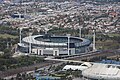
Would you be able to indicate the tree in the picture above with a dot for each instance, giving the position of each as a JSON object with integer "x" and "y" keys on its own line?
{"x": 36, "y": 69}
{"x": 18, "y": 77}
{"x": 7, "y": 53}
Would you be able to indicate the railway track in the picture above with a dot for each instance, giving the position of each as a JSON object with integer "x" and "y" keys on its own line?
{"x": 46, "y": 63}
{"x": 25, "y": 69}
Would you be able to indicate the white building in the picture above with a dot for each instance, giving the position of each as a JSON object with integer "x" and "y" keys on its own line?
{"x": 81, "y": 67}
{"x": 103, "y": 72}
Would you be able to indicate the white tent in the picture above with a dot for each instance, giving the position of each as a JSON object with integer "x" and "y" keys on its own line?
{"x": 78, "y": 67}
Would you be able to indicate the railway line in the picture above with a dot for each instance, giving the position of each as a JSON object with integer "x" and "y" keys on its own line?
{"x": 25, "y": 69}
{"x": 48, "y": 62}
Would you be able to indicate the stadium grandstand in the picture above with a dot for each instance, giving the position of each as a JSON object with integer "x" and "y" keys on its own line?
{"x": 53, "y": 45}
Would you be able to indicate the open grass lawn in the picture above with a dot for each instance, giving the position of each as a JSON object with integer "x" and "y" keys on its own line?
{"x": 116, "y": 35}
{"x": 7, "y": 36}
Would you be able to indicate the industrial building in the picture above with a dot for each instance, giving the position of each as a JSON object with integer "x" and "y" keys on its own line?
{"x": 53, "y": 45}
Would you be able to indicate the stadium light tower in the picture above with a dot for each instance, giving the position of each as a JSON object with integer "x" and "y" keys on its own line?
{"x": 94, "y": 48}
{"x": 80, "y": 33}
{"x": 30, "y": 43}
{"x": 19, "y": 15}
{"x": 20, "y": 35}
{"x": 68, "y": 35}
{"x": 81, "y": 21}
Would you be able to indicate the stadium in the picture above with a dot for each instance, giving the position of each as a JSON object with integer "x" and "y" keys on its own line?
{"x": 99, "y": 71}
{"x": 53, "y": 45}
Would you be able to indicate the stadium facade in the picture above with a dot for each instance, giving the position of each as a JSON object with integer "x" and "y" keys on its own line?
{"x": 53, "y": 45}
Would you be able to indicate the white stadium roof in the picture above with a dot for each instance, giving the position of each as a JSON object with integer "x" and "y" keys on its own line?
{"x": 103, "y": 71}
{"x": 31, "y": 39}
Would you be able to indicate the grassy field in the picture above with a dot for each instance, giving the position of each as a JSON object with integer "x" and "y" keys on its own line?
{"x": 8, "y": 36}
{"x": 116, "y": 35}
